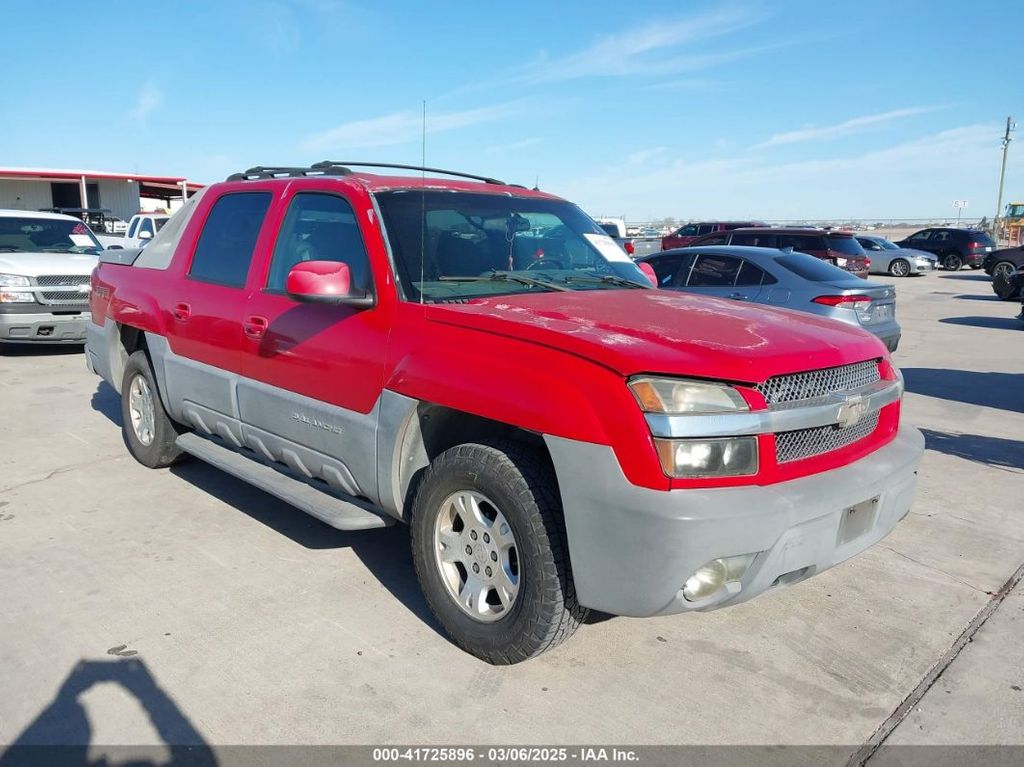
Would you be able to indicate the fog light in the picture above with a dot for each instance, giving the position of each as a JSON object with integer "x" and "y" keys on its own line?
{"x": 710, "y": 578}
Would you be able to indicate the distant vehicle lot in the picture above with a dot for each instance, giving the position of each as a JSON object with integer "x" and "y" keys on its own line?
{"x": 230, "y": 598}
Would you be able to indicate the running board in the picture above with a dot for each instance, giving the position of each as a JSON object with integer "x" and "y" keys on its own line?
{"x": 353, "y": 514}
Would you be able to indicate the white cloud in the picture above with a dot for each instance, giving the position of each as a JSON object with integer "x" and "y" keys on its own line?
{"x": 916, "y": 178}
{"x": 148, "y": 100}
{"x": 643, "y": 155}
{"x": 513, "y": 145}
{"x": 401, "y": 127}
{"x": 855, "y": 125}
{"x": 649, "y": 50}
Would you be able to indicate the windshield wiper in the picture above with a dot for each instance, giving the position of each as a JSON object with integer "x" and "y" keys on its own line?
{"x": 496, "y": 276}
{"x": 608, "y": 279}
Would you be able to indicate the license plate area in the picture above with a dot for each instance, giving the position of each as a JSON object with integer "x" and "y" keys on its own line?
{"x": 857, "y": 520}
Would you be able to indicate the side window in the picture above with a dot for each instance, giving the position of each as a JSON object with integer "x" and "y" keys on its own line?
{"x": 713, "y": 271}
{"x": 687, "y": 231}
{"x": 133, "y": 226}
{"x": 705, "y": 229}
{"x": 753, "y": 275}
{"x": 229, "y": 235}
{"x": 717, "y": 239}
{"x": 801, "y": 242}
{"x": 756, "y": 240}
{"x": 147, "y": 226}
{"x": 319, "y": 227}
{"x": 921, "y": 236}
{"x": 940, "y": 237}
{"x": 665, "y": 269}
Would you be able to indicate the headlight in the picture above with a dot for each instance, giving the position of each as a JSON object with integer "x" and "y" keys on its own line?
{"x": 16, "y": 297}
{"x": 674, "y": 396}
{"x": 703, "y": 458}
{"x": 13, "y": 281}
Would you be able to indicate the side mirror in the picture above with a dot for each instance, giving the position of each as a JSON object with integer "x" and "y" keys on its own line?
{"x": 649, "y": 273}
{"x": 145, "y": 235}
{"x": 325, "y": 282}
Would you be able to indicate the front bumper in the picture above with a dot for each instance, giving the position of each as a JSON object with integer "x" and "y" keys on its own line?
{"x": 633, "y": 548}
{"x": 42, "y": 327}
{"x": 922, "y": 265}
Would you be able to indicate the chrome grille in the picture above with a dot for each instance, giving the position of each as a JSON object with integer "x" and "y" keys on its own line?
{"x": 49, "y": 280}
{"x": 813, "y": 384}
{"x": 65, "y": 296}
{"x": 804, "y": 443}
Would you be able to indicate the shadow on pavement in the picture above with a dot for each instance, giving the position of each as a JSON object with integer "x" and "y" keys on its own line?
{"x": 39, "y": 350}
{"x": 386, "y": 552}
{"x": 108, "y": 402}
{"x": 972, "y": 277}
{"x": 967, "y": 297}
{"x": 998, "y": 390}
{"x": 62, "y": 732}
{"x": 991, "y": 451}
{"x": 994, "y": 323}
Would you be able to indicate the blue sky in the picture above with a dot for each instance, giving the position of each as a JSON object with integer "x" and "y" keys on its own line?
{"x": 647, "y": 109}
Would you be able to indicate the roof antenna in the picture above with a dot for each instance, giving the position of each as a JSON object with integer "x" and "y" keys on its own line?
{"x": 423, "y": 202}
{"x": 536, "y": 183}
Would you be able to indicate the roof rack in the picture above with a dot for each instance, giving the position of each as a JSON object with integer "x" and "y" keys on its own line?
{"x": 284, "y": 171}
{"x": 327, "y": 164}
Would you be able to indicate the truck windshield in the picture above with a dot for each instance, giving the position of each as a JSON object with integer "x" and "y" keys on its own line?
{"x": 458, "y": 245}
{"x": 46, "y": 235}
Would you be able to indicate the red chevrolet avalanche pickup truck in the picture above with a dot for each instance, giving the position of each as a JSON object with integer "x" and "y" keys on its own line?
{"x": 482, "y": 362}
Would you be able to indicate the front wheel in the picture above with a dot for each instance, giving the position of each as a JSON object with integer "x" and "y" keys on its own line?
{"x": 1003, "y": 268}
{"x": 899, "y": 267}
{"x": 488, "y": 542}
{"x": 149, "y": 432}
{"x": 952, "y": 261}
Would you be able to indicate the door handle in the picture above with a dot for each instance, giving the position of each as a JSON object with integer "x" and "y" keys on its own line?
{"x": 255, "y": 327}
{"x": 182, "y": 312}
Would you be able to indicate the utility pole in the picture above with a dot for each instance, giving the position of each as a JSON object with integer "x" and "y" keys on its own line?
{"x": 1010, "y": 127}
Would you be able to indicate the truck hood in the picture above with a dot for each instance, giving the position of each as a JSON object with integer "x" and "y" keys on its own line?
{"x": 42, "y": 264}
{"x": 658, "y": 331}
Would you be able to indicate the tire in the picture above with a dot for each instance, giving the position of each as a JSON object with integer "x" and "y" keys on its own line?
{"x": 975, "y": 267}
{"x": 952, "y": 262}
{"x": 500, "y": 482}
{"x": 148, "y": 432}
{"x": 1003, "y": 287}
{"x": 1005, "y": 268}
{"x": 899, "y": 267}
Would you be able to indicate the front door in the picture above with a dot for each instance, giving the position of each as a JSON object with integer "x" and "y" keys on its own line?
{"x": 724, "y": 276}
{"x": 312, "y": 374}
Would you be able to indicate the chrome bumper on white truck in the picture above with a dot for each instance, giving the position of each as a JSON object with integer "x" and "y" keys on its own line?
{"x": 634, "y": 549}
{"x": 42, "y": 327}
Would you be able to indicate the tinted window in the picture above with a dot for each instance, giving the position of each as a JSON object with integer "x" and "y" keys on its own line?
{"x": 134, "y": 225}
{"x": 754, "y": 275}
{"x": 715, "y": 239}
{"x": 160, "y": 223}
{"x": 229, "y": 235}
{"x": 666, "y": 268}
{"x": 147, "y": 226}
{"x": 801, "y": 242}
{"x": 868, "y": 244}
{"x": 922, "y": 235}
{"x": 940, "y": 236}
{"x": 813, "y": 269}
{"x": 705, "y": 229}
{"x": 319, "y": 227}
{"x": 687, "y": 231}
{"x": 756, "y": 240}
{"x": 845, "y": 245}
{"x": 711, "y": 271}
{"x": 979, "y": 236}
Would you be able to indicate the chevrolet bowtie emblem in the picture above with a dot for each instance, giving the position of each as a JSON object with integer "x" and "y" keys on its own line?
{"x": 851, "y": 411}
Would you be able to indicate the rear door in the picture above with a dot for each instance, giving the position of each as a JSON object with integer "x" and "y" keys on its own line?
{"x": 668, "y": 268}
{"x": 206, "y": 307}
{"x": 312, "y": 374}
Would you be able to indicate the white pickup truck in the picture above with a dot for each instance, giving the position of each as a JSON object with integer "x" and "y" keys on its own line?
{"x": 46, "y": 260}
{"x": 141, "y": 229}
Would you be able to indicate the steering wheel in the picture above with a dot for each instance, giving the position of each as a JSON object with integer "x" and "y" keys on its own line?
{"x": 545, "y": 263}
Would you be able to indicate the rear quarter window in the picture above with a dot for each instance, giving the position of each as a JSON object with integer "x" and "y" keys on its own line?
{"x": 228, "y": 238}
{"x": 811, "y": 268}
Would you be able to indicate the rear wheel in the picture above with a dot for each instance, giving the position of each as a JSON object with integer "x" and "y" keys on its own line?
{"x": 952, "y": 261}
{"x": 489, "y": 546}
{"x": 1004, "y": 268}
{"x": 899, "y": 267}
{"x": 148, "y": 431}
{"x": 1003, "y": 286}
